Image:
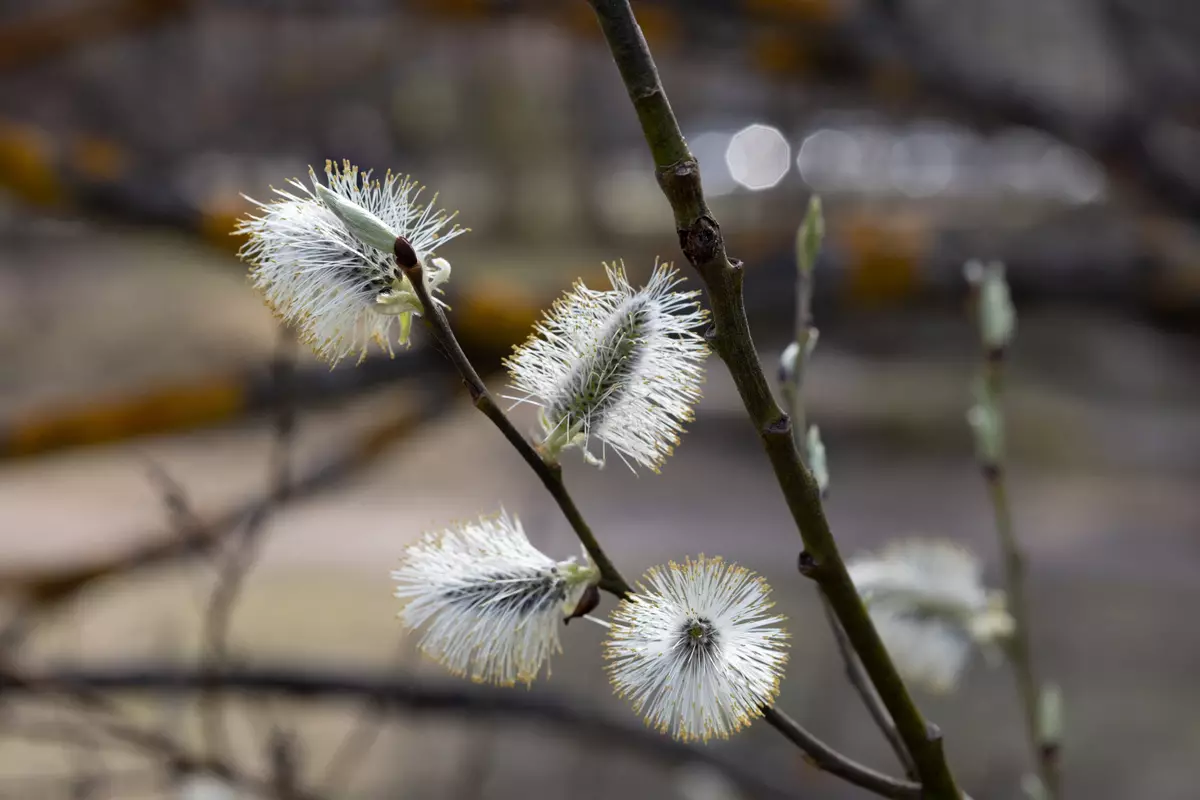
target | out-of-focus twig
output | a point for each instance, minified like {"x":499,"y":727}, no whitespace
{"x":157,"y":744}
{"x":809,"y":239}
{"x":39,"y":591}
{"x":1123,"y":142}
{"x":216,"y":399}
{"x":244,"y":549}
{"x":27,"y":41}
{"x":395,"y":694}
{"x":360,"y":738}
{"x":870,"y":698}
{"x":997,"y":324}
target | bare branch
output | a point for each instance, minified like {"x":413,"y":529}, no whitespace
{"x":244,"y":551}
{"x":390,"y":693}
{"x":39,"y":592}
{"x":829,"y":760}
{"x":1019,"y":647}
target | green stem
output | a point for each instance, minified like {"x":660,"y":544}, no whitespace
{"x":700,"y":239}
{"x":549,"y":472}
{"x":833,"y":762}
{"x":1020,"y":650}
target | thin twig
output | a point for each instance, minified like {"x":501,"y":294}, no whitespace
{"x":392,"y":693}
{"x":358,"y":741}
{"x":155,"y":743}
{"x":862,"y":684}
{"x":833,"y":762}
{"x":244,"y":551}
{"x":1123,"y":142}
{"x":38,"y":592}
{"x":678,"y":175}
{"x":549,"y":472}
{"x":1020,"y":650}
{"x":808,"y":246}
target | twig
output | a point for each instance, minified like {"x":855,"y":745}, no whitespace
{"x":1122,"y":142}
{"x":244,"y":550}
{"x":862,"y":684}
{"x":808,"y":247}
{"x":549,"y":472}
{"x":829,"y":760}
{"x":39,"y":592}
{"x":391,"y":693}
{"x":357,"y":742}
{"x":700,"y":239}
{"x":173,"y":754}
{"x":1020,"y":651}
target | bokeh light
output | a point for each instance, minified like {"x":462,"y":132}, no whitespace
{"x":758,"y":156}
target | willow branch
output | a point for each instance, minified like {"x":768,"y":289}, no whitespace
{"x":1020,"y":650}
{"x":700,"y":239}
{"x":833,"y":762}
{"x":549,"y":472}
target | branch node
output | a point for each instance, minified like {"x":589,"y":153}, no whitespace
{"x":781,"y":425}
{"x":701,"y":241}
{"x":406,"y":257}
{"x":808,"y":566}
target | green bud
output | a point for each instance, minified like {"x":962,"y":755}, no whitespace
{"x":1050,"y":715}
{"x":997,"y":316}
{"x":365,"y":226}
{"x":987,"y":423}
{"x":810,"y":236}
{"x":816,"y":459}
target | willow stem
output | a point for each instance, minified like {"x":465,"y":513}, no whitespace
{"x":1019,"y":648}
{"x":549,"y":472}
{"x":700,"y":239}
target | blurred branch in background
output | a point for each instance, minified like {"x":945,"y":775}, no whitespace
{"x":40,"y":591}
{"x":397,"y":696}
{"x":215,"y":400}
{"x":880,"y":54}
{"x":242,"y":551}
{"x":45,"y":35}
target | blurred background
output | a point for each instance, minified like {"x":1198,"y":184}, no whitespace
{"x":147,"y":398}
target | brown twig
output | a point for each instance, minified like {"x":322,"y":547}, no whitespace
{"x":244,"y":550}
{"x":393,"y":694}
{"x":700,"y":239}
{"x":1019,"y":648}
{"x":174,"y":755}
{"x":39,"y":592}
{"x":359,"y":740}
{"x":550,"y":472}
{"x":870,"y":698}
{"x":829,"y":760}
